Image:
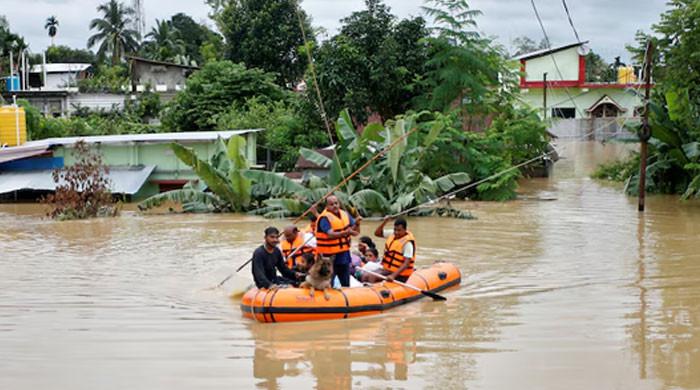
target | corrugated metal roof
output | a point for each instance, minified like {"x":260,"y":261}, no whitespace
{"x":543,"y":52}
{"x":123,"y":180}
{"x":60,"y":68}
{"x":12,"y":154}
{"x":192,"y":136}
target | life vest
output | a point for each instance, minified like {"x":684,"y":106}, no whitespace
{"x":331,"y":246}
{"x":288,"y":248}
{"x":393,"y":254}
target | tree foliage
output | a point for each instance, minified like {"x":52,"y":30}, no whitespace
{"x":264,"y":34}
{"x":51,"y":27}
{"x":673,"y":164}
{"x":465,"y":67}
{"x":524,"y":44}
{"x":82,"y":189}
{"x":66,"y":54}
{"x":163,"y":42}
{"x":114,"y":37}
{"x":212,"y":90}
{"x":376,"y":63}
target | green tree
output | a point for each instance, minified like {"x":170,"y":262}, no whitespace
{"x":65,"y":54}
{"x":264,"y":34}
{"x":212,"y":90}
{"x":113,"y":33}
{"x":597,"y":70}
{"x":194,"y":36}
{"x":163,"y":42}
{"x":374,"y":65}
{"x":673,"y":164}
{"x":52,"y":27}
{"x":465,"y":67}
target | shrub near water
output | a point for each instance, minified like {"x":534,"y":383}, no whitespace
{"x":82,"y":190}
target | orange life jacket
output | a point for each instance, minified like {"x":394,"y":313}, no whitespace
{"x":393,"y":254}
{"x":331,"y":246}
{"x":288,"y":248}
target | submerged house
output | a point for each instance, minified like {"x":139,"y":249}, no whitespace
{"x":553,"y":81}
{"x":140,"y":165}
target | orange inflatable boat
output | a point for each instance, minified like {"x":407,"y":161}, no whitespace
{"x":295,"y":304}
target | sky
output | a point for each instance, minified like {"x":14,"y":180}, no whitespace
{"x":607,"y":24}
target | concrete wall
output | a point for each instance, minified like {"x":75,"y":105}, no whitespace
{"x":583,"y":99}
{"x":168,"y":166}
{"x":60,"y":81}
{"x":161,"y":78}
{"x":96,"y":101}
{"x":567,"y":61}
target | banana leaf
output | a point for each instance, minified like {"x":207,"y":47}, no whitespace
{"x":189,"y":198}
{"x":316,"y":157}
{"x":239,"y":163}
{"x":396,"y":131}
{"x":345,"y":129}
{"x":450,"y":181}
{"x":370,"y":202}
{"x":214,"y":179}
{"x":273,"y":184}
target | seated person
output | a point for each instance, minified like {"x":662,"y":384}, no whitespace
{"x":399,"y":252}
{"x":268,"y":259}
{"x":358,"y":258}
{"x":372,"y":264}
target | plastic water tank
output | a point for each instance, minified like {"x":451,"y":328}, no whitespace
{"x":10,"y":134}
{"x":12,"y":83}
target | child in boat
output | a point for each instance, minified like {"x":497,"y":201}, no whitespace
{"x":359,"y":258}
{"x":372,"y":264}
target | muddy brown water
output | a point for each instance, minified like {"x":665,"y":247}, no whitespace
{"x":580,"y":292}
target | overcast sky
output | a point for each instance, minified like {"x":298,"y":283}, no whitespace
{"x":608,"y":24}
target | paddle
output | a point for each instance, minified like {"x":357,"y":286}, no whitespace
{"x":424,"y":292}
{"x":311,"y":237}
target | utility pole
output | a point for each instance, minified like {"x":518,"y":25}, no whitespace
{"x":544,"y":95}
{"x":645,"y":132}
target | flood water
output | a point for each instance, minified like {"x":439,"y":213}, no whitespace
{"x":568,"y":288}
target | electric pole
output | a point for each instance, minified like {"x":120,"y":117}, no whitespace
{"x":645,"y":132}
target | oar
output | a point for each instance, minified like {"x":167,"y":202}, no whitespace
{"x":334,"y":189}
{"x":311,"y":237}
{"x":436,"y":297}
{"x":360,"y":169}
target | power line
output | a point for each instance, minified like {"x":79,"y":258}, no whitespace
{"x":554,"y":61}
{"x":571,"y":22}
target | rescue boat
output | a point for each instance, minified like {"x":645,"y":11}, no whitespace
{"x":296,"y":304}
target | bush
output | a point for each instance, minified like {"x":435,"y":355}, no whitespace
{"x":618,"y":170}
{"x":515,"y":136}
{"x":82,"y":190}
{"x":286,"y":130}
{"x":212,"y":90}
{"x":106,"y":79}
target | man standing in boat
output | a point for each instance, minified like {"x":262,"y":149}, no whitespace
{"x":268,"y":259}
{"x":334,"y":228}
{"x":399,"y":252}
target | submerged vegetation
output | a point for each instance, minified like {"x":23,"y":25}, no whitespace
{"x":82,"y":190}
{"x":673,"y":164}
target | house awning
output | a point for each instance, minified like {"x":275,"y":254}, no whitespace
{"x":123,"y":180}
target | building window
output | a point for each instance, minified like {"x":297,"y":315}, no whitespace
{"x":564,"y":112}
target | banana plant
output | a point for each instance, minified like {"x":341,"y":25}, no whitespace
{"x":223,"y":176}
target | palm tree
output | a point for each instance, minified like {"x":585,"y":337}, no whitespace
{"x":52,"y":26}
{"x":164,"y":42}
{"x":114,"y":35}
